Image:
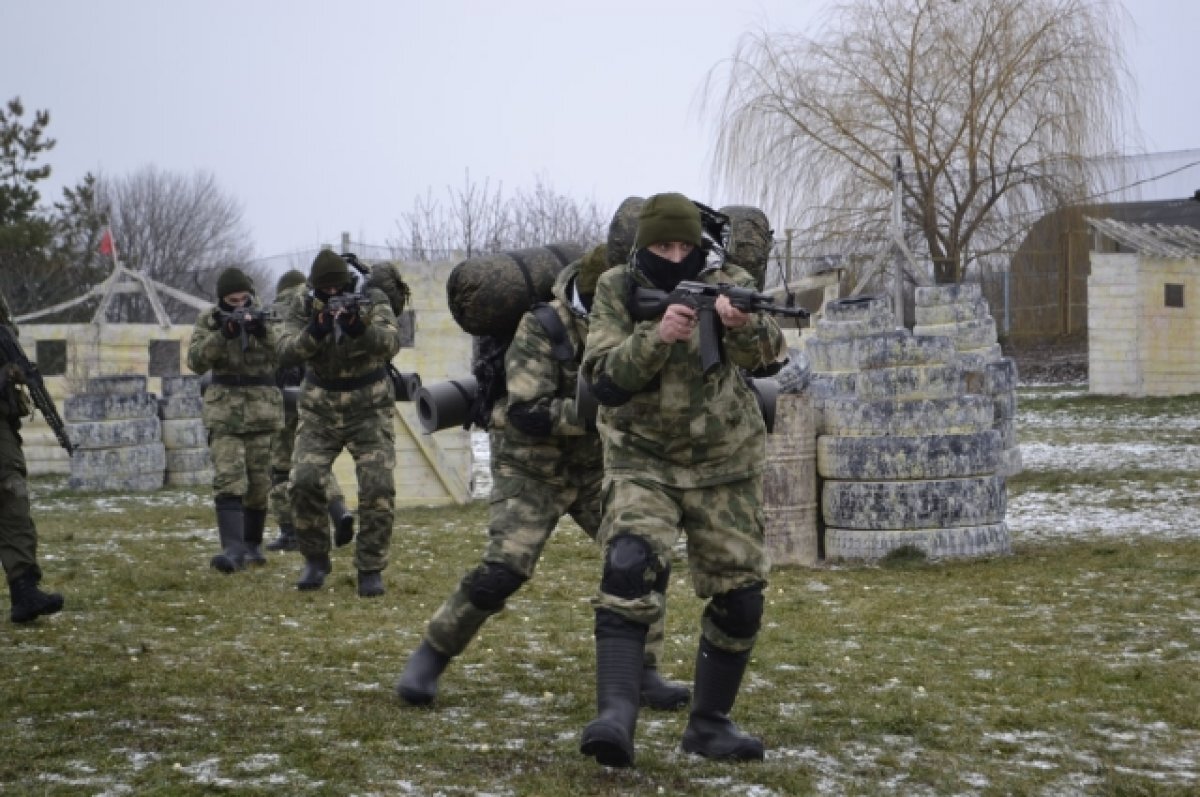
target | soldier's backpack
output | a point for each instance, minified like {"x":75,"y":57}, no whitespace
{"x":384,"y":276}
{"x":489,"y":370}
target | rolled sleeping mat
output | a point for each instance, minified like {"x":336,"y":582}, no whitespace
{"x":585,"y":402}
{"x":445,"y":404}
{"x":766,"y":391}
{"x":405,"y":384}
{"x":487,"y":295}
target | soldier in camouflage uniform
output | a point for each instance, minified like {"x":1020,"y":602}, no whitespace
{"x":291,"y":284}
{"x":546,"y":463}
{"x":347,"y":402}
{"x":681,"y":451}
{"x":242,"y":410}
{"x":18,"y":534}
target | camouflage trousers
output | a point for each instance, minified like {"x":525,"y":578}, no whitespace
{"x":18,"y":535}
{"x":283,"y":444}
{"x":523,"y":513}
{"x":242,"y":466}
{"x":723,"y":524}
{"x":371,"y":441}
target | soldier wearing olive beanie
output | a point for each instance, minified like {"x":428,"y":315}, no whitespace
{"x":706,"y":483}
{"x":668,"y":217}
{"x":233,"y":280}
{"x":328,"y":271}
{"x":290,"y":280}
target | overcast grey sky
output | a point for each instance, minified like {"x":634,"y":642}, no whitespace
{"x":324,"y":116}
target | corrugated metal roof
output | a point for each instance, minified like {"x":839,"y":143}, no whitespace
{"x":1163,"y":240}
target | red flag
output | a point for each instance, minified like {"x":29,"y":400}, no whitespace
{"x":106,"y":243}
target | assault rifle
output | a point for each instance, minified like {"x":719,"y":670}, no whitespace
{"x":12,"y":357}
{"x":246,"y":318}
{"x":346,"y":303}
{"x":649,"y":304}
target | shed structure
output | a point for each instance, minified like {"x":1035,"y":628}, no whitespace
{"x":1143,"y":309}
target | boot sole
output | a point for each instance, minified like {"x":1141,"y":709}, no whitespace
{"x":746,"y":753}
{"x":608,"y":752}
{"x":224,"y":564}
{"x":414,"y":697}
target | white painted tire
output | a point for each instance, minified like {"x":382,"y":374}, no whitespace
{"x":117,"y":385}
{"x":115,"y":434}
{"x":951,"y":313}
{"x":117,"y":482}
{"x":122,"y":461}
{"x":106,"y":407}
{"x":887,"y":350}
{"x":967,"y":335}
{"x":1000,"y":376}
{"x":942,"y":456}
{"x":1006,"y":406}
{"x":189,"y":478}
{"x":925,"y":504}
{"x":184,"y":433}
{"x":185,"y":459}
{"x":855,"y":417}
{"x":933,"y":295}
{"x":179,"y":406}
{"x":1011,"y":462}
{"x":979,"y":359}
{"x":901,"y":382}
{"x":959,"y":542}
{"x":184,"y":385}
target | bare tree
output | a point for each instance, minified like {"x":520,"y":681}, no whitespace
{"x":179,"y":230}
{"x":995,"y":108}
{"x":478,"y":219}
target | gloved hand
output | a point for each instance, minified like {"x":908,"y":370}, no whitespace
{"x":256,"y":327}
{"x":352,"y":324}
{"x":320,"y":325}
{"x":230,"y":329}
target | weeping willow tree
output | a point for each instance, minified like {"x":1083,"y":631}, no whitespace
{"x":995,"y":109}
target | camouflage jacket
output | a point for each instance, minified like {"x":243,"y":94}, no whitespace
{"x":677,"y":427}
{"x":293,"y":374}
{"x":10,"y":410}
{"x":341,"y":357}
{"x":551,"y":441}
{"x":236,"y":409}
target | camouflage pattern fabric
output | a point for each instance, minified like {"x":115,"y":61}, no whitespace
{"x":622,"y":230}
{"x":240,"y":418}
{"x":536,"y":480}
{"x":18,"y":534}
{"x":359,"y":420}
{"x":284,"y":440}
{"x":750,"y":240}
{"x":685,"y":452}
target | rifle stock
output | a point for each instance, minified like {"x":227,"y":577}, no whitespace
{"x":12,"y":353}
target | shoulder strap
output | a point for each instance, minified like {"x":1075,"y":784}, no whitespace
{"x":560,"y":346}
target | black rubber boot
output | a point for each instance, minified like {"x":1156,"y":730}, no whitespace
{"x":343,"y":522}
{"x":661,"y":694}
{"x":231,"y":529}
{"x":286,"y":541}
{"x":609,"y":737}
{"x":315,"y":570}
{"x":254,"y":521}
{"x":419,"y":681}
{"x":710,"y":732}
{"x":370,"y":583}
{"x":29,"y":602}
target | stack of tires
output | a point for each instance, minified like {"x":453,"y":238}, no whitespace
{"x":183,"y":432}
{"x":960,"y":313}
{"x":908,"y":457}
{"x":114,"y":424}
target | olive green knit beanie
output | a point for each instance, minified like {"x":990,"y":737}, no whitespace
{"x":668,"y":217}
{"x":290,"y":280}
{"x":233,"y":280}
{"x":328,"y":271}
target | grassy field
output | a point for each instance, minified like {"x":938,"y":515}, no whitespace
{"x":1068,"y":668}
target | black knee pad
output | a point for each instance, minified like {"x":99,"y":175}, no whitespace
{"x":739,"y":611}
{"x":490,"y":584}
{"x":629,"y":568}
